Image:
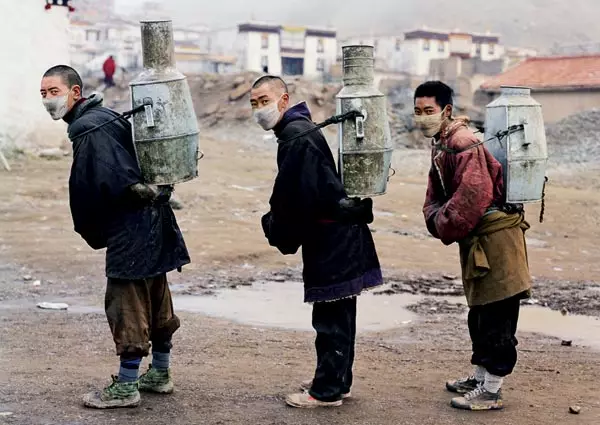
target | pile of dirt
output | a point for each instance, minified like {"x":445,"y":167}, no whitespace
{"x":225,"y":99}
{"x":575,"y":139}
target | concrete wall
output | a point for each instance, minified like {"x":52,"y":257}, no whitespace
{"x":36,"y":39}
{"x":555,"y":105}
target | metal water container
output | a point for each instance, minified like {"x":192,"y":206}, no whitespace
{"x":522,"y":152}
{"x":365,"y":144}
{"x":166,"y":134}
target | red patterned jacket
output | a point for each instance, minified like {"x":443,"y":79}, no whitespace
{"x":462,"y":185}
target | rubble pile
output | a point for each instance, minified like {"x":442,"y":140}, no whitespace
{"x":575,"y":139}
{"x":225,"y":99}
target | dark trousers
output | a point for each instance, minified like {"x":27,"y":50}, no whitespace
{"x":492,"y":328}
{"x":335,"y":323}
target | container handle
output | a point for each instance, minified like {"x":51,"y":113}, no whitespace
{"x":392,"y":175}
{"x":201,"y":156}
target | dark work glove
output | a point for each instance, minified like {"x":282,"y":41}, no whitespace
{"x":355,"y":211}
{"x":164,"y":194}
{"x":145,"y":193}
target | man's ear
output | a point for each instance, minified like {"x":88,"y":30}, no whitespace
{"x":448,"y":111}
{"x":76,"y":92}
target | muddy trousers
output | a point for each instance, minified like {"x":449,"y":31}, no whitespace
{"x":492,"y":328}
{"x":335,"y":324}
{"x":140,"y":312}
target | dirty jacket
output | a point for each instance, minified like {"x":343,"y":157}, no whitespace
{"x":465,"y":183}
{"x":339,"y":259}
{"x":141,"y":240}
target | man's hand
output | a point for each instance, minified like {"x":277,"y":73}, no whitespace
{"x":144,"y":192}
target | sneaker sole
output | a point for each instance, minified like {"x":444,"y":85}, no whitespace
{"x":163,"y":389}
{"x":315,"y":405}
{"x":344,"y":396}
{"x":476,"y":408}
{"x":114,"y":404}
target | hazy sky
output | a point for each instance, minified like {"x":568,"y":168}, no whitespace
{"x":524,"y":22}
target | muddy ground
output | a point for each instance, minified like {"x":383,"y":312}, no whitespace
{"x":230,"y":373}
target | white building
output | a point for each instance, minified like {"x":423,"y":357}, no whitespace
{"x":284,"y":50}
{"x":421,"y":46}
{"x":413,"y":51}
{"x":35,"y":40}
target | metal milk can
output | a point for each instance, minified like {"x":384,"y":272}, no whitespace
{"x":166,"y":135}
{"x":522,"y":150}
{"x":365,"y":143}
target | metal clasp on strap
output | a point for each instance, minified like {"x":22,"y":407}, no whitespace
{"x":149,"y":113}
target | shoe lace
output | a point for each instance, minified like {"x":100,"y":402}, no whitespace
{"x":475,"y":393}
{"x":467,"y":379}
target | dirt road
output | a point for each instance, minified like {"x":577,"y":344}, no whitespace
{"x":230,"y":373}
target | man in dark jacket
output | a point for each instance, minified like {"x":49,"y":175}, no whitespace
{"x":113,"y":208}
{"x":310,"y":208}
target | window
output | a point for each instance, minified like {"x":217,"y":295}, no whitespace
{"x":264,"y":61}
{"x":92,"y":35}
{"x":264,"y":41}
{"x":426,"y":45}
{"x":320,"y":64}
{"x":320,"y":45}
{"x":441,"y":47}
{"x":491,"y":49}
{"x":478,"y":50}
{"x":398,"y":44}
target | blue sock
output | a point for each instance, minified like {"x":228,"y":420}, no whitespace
{"x":128,"y":372}
{"x":160,"y":361}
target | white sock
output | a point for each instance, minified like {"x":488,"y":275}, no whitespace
{"x":480,"y":374}
{"x":492,"y":383}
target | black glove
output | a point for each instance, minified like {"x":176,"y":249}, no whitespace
{"x":355,"y":211}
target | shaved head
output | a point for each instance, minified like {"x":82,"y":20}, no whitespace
{"x":68,"y":75}
{"x":275,"y":82}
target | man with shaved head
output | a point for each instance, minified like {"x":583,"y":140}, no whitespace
{"x":113,"y":208}
{"x":310,"y":208}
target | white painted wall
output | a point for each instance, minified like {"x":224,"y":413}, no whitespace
{"x":416,"y":58}
{"x":312,"y":55}
{"x":251,"y":43}
{"x":36,"y":39}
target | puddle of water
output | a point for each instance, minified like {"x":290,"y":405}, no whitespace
{"x":280,"y":305}
{"x":582,"y":330}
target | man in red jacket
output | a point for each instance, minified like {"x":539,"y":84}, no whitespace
{"x":109,"y":67}
{"x":465,"y":204}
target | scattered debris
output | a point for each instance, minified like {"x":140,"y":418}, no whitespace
{"x":575,"y":410}
{"x":37,"y":283}
{"x":566,"y":343}
{"x":52,"y":153}
{"x":434,"y":306}
{"x":27,"y":278}
{"x":6,"y":414}
{"x":564,"y":311}
{"x":53,"y":306}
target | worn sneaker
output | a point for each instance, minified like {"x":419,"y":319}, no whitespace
{"x":478,"y":399}
{"x":462,"y":385}
{"x":117,"y":394}
{"x":306,"y":401}
{"x":156,"y":381}
{"x":305,"y":386}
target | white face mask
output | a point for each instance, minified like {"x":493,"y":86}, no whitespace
{"x":268,"y":116}
{"x":57,"y":106}
{"x":430,"y":125}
